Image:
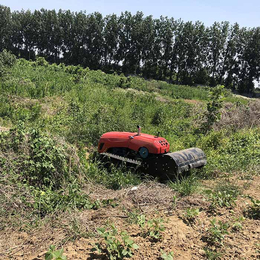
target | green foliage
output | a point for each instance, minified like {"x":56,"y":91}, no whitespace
{"x":190,"y":215}
{"x":152,"y":228}
{"x":135,"y":217}
{"x":224,"y":195}
{"x":165,"y":256}
{"x":52,"y":103}
{"x":253,"y":210}
{"x":40,"y":61}
{"x":237,"y":226}
{"x":174,"y":201}
{"x":222,"y":199}
{"x":116,"y":245}
{"x":39,"y":159}
{"x":186,"y":53}
{"x":212,"y":254}
{"x":217,"y":232}
{"x":213,"y":107}
{"x":54,"y":254}
{"x":112,"y":177}
{"x":235,"y":151}
{"x":48,"y":201}
{"x":185,"y":186}
{"x":7,"y":60}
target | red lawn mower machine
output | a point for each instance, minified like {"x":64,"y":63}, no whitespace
{"x":150,"y":152}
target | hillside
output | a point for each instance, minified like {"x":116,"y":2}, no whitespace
{"x":53,"y":190}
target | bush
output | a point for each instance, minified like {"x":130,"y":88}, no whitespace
{"x":213,"y":108}
{"x":7,"y":60}
{"x":37,"y":158}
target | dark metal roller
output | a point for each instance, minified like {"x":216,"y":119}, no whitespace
{"x":187,"y":159}
{"x":177,"y":162}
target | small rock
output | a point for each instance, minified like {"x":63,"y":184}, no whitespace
{"x":201,"y":252}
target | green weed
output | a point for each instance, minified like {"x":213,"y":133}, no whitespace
{"x":135,"y":217}
{"x":217,"y":232}
{"x":54,"y":254}
{"x":237,"y":225}
{"x":116,"y":245}
{"x":167,"y":256}
{"x":152,"y":228}
{"x":191,"y":215}
{"x":224,"y":195}
{"x":185,"y":185}
{"x":253,"y":210}
{"x":212,"y":254}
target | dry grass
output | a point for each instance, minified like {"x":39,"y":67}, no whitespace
{"x":239,"y":116}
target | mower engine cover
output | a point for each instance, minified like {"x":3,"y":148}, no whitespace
{"x":133,"y":141}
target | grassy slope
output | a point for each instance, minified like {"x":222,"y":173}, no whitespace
{"x":79,"y":105}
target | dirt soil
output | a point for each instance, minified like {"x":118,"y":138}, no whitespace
{"x":76,"y":231}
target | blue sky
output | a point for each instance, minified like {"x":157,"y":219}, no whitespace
{"x":246,"y":13}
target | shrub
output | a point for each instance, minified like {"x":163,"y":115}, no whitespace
{"x":213,"y":108}
{"x":7,"y":60}
{"x":38,"y":158}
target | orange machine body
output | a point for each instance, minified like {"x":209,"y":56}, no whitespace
{"x":133,"y":141}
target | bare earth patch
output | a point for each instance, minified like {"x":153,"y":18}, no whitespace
{"x":76,"y":231}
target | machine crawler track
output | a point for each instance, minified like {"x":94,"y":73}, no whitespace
{"x":168,"y":164}
{"x":122,"y":158}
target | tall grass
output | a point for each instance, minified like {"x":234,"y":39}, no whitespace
{"x":80,"y":105}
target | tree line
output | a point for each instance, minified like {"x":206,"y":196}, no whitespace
{"x":187,"y":53}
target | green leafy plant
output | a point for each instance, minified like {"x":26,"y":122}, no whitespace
{"x":190,"y":215}
{"x":153,"y":228}
{"x":212,"y":254}
{"x":135,"y":217}
{"x":214,"y":105}
{"x":217,"y":232}
{"x":167,"y":256}
{"x":253,"y":210}
{"x":54,"y":254}
{"x":47,"y":200}
{"x":257,"y":245}
{"x":222,"y":198}
{"x":115,"y":245}
{"x":174,"y":201}
{"x":7,"y":60}
{"x":237,"y":225}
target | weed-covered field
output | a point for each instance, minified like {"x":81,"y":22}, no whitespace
{"x":54,"y":192}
